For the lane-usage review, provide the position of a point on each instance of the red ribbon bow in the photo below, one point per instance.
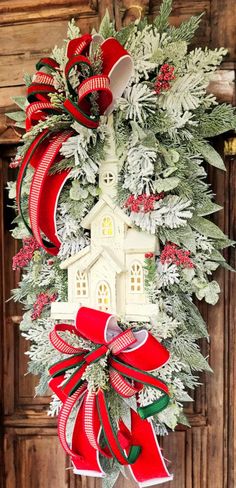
(108, 86)
(130, 355)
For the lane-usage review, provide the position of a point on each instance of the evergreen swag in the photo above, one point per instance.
(162, 124)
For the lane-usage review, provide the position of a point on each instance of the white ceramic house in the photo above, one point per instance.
(108, 274)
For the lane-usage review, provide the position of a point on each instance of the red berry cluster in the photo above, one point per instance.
(149, 255)
(24, 256)
(166, 74)
(142, 203)
(42, 300)
(171, 254)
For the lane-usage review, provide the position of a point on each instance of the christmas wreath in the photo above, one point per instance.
(112, 202)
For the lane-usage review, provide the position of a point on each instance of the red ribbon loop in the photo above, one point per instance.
(45, 187)
(79, 45)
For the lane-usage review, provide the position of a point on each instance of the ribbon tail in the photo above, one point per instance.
(55, 385)
(81, 443)
(110, 435)
(150, 468)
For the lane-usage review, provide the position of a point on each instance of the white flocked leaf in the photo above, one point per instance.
(210, 154)
(210, 293)
(207, 207)
(166, 184)
(21, 102)
(17, 116)
(206, 228)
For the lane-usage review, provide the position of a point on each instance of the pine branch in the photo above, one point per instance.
(221, 119)
(161, 22)
(186, 30)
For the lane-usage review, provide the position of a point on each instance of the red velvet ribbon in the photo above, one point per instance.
(130, 355)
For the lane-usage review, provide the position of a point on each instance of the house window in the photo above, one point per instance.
(107, 226)
(81, 284)
(136, 278)
(103, 296)
(108, 178)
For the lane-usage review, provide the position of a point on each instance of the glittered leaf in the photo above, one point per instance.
(182, 419)
(207, 207)
(17, 116)
(206, 228)
(166, 184)
(210, 292)
(188, 274)
(21, 102)
(110, 479)
(210, 154)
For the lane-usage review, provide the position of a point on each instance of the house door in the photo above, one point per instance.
(31, 457)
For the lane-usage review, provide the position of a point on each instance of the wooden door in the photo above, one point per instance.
(31, 457)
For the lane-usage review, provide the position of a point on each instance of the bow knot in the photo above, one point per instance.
(105, 87)
(130, 356)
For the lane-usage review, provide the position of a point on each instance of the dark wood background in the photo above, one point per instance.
(31, 457)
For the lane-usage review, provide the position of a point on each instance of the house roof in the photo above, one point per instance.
(92, 257)
(112, 258)
(103, 201)
(90, 261)
(137, 240)
(108, 255)
(65, 264)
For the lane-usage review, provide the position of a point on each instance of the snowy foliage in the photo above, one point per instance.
(138, 102)
(139, 170)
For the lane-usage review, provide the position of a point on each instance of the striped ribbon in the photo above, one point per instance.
(42, 153)
(126, 379)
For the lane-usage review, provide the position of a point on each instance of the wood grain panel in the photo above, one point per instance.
(24, 45)
(41, 461)
(13, 11)
(174, 450)
(216, 320)
(38, 38)
(223, 15)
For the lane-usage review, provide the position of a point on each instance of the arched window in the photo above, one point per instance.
(107, 226)
(81, 284)
(136, 278)
(108, 178)
(103, 296)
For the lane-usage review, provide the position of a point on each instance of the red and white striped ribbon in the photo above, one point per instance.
(121, 385)
(59, 343)
(36, 212)
(64, 415)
